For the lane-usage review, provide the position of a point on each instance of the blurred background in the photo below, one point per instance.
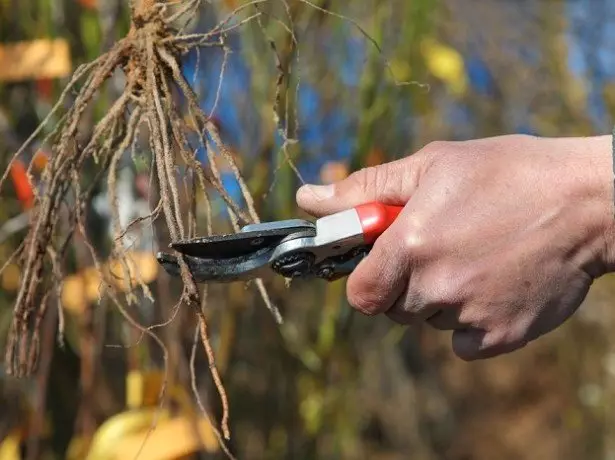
(327, 383)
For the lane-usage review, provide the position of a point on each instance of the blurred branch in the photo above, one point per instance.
(14, 225)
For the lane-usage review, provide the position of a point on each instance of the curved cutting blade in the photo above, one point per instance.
(222, 271)
(243, 243)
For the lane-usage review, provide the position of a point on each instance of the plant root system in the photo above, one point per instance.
(148, 58)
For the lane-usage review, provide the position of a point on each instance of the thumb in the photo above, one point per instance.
(390, 183)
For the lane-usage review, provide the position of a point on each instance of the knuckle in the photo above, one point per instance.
(435, 148)
(447, 284)
(361, 180)
(366, 303)
(482, 344)
(412, 302)
(503, 339)
(439, 288)
(418, 242)
(369, 180)
(474, 316)
(513, 336)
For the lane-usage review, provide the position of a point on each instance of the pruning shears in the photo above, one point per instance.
(329, 248)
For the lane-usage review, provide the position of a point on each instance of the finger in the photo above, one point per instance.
(411, 308)
(390, 183)
(446, 319)
(472, 344)
(381, 277)
(399, 317)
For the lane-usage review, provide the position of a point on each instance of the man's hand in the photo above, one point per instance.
(499, 240)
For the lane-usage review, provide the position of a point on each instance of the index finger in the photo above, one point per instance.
(381, 277)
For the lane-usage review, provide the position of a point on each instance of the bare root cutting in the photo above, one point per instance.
(148, 58)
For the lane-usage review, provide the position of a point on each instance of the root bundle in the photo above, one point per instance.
(148, 60)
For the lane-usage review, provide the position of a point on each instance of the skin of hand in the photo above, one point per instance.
(499, 240)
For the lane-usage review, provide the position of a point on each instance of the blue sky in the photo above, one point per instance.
(590, 27)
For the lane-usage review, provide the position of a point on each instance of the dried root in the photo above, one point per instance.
(148, 57)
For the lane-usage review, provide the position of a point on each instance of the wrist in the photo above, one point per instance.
(596, 167)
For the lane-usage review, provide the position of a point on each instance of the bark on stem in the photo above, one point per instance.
(140, 8)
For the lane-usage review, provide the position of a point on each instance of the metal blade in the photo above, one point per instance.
(239, 244)
(206, 270)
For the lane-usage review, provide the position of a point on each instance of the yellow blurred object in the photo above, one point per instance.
(91, 283)
(105, 442)
(140, 266)
(172, 439)
(22, 430)
(147, 428)
(36, 59)
(9, 448)
(143, 388)
(77, 448)
(11, 277)
(401, 69)
(73, 294)
(333, 171)
(446, 64)
(82, 288)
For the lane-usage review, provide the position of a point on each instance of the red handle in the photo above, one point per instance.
(376, 218)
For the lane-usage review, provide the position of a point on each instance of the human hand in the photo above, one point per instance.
(499, 239)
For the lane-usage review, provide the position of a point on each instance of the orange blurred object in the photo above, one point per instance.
(375, 157)
(40, 160)
(333, 171)
(23, 187)
(83, 288)
(89, 4)
(44, 88)
(37, 60)
(231, 4)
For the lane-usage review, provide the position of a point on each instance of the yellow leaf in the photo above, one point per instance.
(446, 64)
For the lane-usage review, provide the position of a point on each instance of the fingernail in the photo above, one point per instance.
(320, 192)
